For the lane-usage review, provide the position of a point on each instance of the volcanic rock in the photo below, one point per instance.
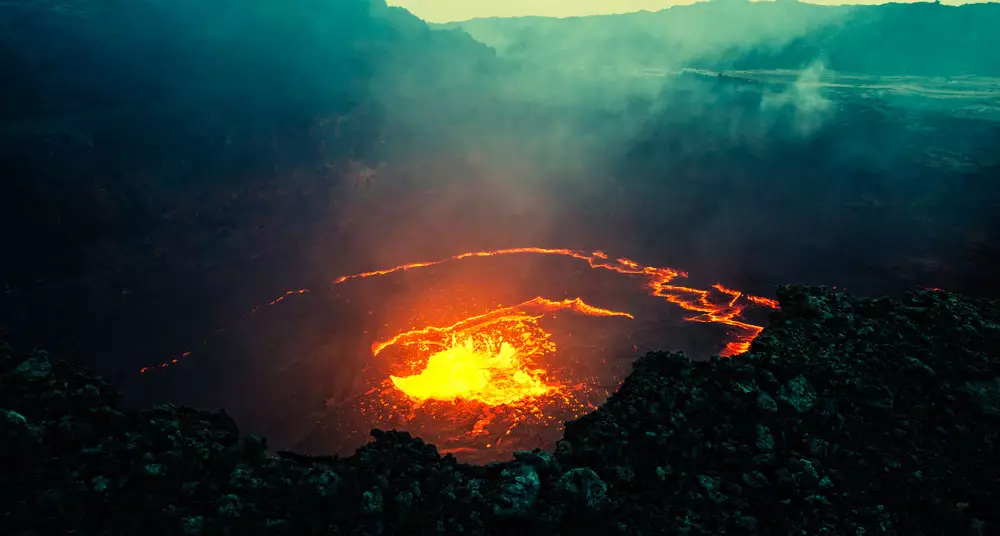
(519, 486)
(582, 488)
(847, 416)
(35, 368)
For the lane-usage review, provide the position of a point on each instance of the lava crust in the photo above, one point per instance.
(847, 416)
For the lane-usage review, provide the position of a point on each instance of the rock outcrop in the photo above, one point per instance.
(847, 416)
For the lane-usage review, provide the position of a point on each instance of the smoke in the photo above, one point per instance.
(682, 36)
(804, 99)
(208, 153)
(669, 132)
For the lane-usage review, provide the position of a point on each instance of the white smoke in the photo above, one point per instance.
(804, 100)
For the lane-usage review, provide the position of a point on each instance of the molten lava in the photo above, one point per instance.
(480, 382)
(493, 379)
(469, 371)
(493, 358)
(658, 281)
(493, 374)
(513, 314)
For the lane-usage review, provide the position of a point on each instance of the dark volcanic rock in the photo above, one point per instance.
(848, 416)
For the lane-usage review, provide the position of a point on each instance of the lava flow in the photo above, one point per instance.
(488, 371)
(496, 378)
(493, 373)
(488, 358)
(658, 281)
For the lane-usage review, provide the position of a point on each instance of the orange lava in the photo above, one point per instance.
(486, 377)
(178, 358)
(499, 315)
(658, 281)
(491, 380)
(491, 372)
(492, 358)
(478, 380)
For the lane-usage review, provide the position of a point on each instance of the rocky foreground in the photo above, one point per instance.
(848, 416)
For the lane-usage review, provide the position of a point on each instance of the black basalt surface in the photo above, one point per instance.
(847, 416)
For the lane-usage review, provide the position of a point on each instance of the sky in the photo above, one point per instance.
(455, 10)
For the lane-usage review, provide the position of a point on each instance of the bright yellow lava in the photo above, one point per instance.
(491, 373)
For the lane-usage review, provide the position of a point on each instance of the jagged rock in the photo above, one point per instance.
(986, 395)
(766, 402)
(371, 502)
(36, 367)
(518, 490)
(582, 488)
(892, 430)
(539, 459)
(798, 394)
(914, 367)
(13, 419)
(765, 441)
(326, 482)
(220, 420)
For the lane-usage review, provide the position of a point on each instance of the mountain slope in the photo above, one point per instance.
(915, 39)
(144, 137)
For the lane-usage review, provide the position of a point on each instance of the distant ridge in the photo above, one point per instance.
(929, 39)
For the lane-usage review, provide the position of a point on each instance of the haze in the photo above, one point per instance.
(458, 10)
(166, 181)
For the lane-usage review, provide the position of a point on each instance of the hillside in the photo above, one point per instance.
(150, 138)
(891, 39)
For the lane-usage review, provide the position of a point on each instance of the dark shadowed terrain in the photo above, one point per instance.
(169, 169)
(847, 415)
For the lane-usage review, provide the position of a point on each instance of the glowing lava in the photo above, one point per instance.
(483, 381)
(496, 378)
(493, 358)
(473, 383)
(658, 281)
(725, 311)
(469, 371)
(514, 314)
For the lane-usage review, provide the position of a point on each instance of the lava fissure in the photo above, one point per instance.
(546, 305)
(495, 378)
(658, 280)
(501, 366)
(489, 358)
(173, 361)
